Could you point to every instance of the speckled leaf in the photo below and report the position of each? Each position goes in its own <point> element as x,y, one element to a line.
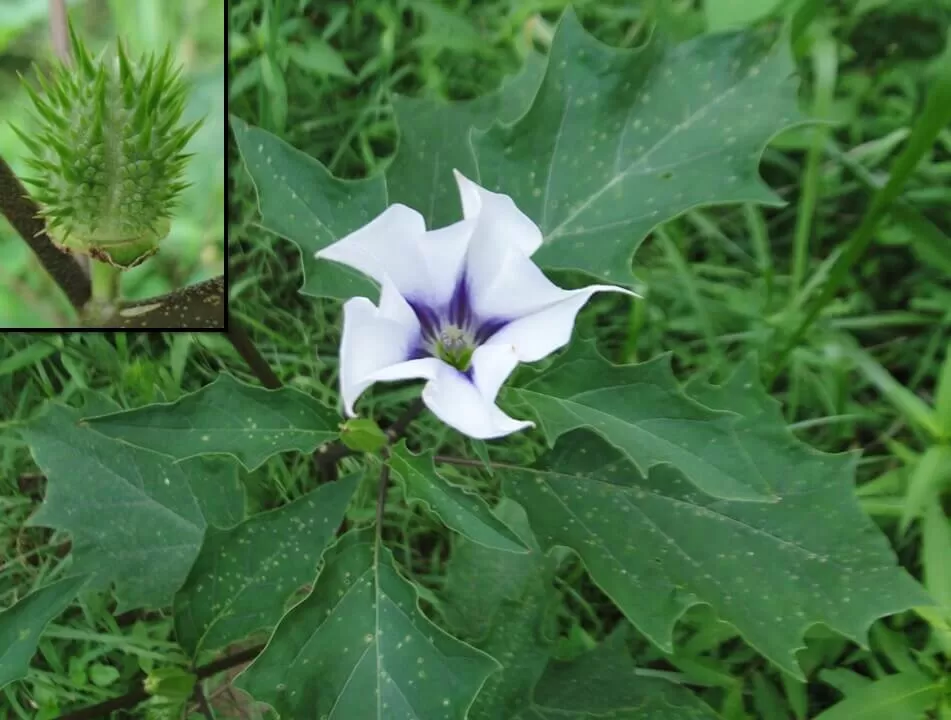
<point>299,199</point>
<point>618,141</point>
<point>135,517</point>
<point>479,580</point>
<point>433,142</point>
<point>642,411</point>
<point>22,625</point>
<point>658,545</point>
<point>243,577</point>
<point>458,508</point>
<point>218,490</point>
<point>226,417</point>
<point>359,647</point>
<point>604,684</point>
<point>501,602</point>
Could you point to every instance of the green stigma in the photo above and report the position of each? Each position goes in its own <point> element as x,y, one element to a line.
<point>454,347</point>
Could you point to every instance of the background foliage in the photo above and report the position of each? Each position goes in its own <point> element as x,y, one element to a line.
<point>717,282</point>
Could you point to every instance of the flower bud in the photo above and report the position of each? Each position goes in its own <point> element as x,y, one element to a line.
<point>362,435</point>
<point>107,147</point>
<point>172,683</point>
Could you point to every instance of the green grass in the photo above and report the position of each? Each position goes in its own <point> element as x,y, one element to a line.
<point>194,248</point>
<point>718,284</point>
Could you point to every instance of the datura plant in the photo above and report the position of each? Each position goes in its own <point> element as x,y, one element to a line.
<point>538,453</point>
<point>459,307</point>
<point>107,152</point>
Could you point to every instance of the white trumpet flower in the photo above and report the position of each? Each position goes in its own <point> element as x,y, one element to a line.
<point>460,307</point>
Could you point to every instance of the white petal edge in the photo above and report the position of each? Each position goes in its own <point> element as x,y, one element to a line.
<point>491,367</point>
<point>498,215</point>
<point>505,283</point>
<point>387,245</point>
<point>374,338</point>
<point>540,333</point>
<point>459,403</point>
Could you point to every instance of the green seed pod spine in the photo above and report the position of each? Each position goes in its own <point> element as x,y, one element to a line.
<point>107,152</point>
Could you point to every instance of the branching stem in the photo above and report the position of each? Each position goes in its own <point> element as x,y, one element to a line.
<point>23,214</point>
<point>246,348</point>
<point>133,698</point>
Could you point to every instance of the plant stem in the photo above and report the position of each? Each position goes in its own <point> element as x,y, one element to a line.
<point>197,307</point>
<point>105,282</point>
<point>242,342</point>
<point>23,214</point>
<point>202,701</point>
<point>133,698</point>
<point>395,431</point>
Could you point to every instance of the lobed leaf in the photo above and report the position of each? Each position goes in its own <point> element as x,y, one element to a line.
<point>619,141</point>
<point>243,577</point>
<point>641,410</point>
<point>301,200</point>
<point>604,683</point>
<point>22,624</point>
<point>359,647</point>
<point>609,144</point>
<point>135,517</point>
<point>502,601</point>
<point>657,544</point>
<point>228,417</point>
<point>459,509</point>
<point>433,142</point>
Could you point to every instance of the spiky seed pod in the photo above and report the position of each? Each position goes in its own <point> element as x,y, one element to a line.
<point>107,149</point>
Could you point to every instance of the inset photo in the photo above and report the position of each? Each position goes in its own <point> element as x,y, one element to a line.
<point>112,193</point>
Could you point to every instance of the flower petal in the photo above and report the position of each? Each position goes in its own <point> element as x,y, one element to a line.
<point>374,338</point>
<point>540,333</point>
<point>498,216</point>
<point>503,282</point>
<point>491,367</point>
<point>455,400</point>
<point>387,245</point>
<point>418,369</point>
<point>444,252</point>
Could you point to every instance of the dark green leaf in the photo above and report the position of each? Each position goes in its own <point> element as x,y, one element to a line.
<point>433,142</point>
<point>659,544</point>
<point>642,411</point>
<point>243,577</point>
<point>227,417</point>
<point>618,141</point>
<point>459,509</point>
<point>134,516</point>
<point>22,625</point>
<point>359,647</point>
<point>301,200</point>
<point>502,601</point>
<point>604,683</point>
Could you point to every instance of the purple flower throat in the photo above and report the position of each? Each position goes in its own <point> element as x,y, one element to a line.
<point>452,333</point>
